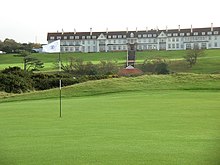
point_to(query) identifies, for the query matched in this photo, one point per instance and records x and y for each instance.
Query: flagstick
(60, 87)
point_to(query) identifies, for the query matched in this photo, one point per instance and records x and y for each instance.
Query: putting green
(151, 127)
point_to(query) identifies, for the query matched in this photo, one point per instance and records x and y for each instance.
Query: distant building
(167, 39)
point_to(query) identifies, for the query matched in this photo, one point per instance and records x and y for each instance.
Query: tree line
(11, 46)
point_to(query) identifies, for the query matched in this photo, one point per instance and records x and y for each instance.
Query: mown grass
(152, 119)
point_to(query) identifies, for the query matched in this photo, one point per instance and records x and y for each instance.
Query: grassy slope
(154, 120)
(142, 83)
(210, 62)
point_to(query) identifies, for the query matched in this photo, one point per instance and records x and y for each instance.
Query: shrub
(155, 66)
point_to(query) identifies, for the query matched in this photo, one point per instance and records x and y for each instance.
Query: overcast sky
(30, 20)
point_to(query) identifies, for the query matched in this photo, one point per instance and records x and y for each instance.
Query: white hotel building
(167, 39)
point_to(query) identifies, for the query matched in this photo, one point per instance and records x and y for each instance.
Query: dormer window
(132, 35)
(195, 33)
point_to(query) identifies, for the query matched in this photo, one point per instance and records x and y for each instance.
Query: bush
(155, 66)
(14, 84)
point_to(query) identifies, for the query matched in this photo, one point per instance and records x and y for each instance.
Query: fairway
(127, 128)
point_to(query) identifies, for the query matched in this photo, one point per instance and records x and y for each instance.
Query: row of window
(124, 41)
(132, 35)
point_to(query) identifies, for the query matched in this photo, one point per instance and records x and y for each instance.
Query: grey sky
(30, 20)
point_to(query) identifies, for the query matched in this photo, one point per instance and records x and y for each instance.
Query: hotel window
(58, 37)
(177, 46)
(52, 38)
(169, 46)
(83, 42)
(210, 37)
(109, 36)
(154, 35)
(83, 37)
(119, 36)
(71, 37)
(65, 37)
(94, 48)
(114, 36)
(215, 32)
(182, 46)
(76, 37)
(139, 35)
(216, 44)
(203, 46)
(188, 46)
(145, 35)
(173, 46)
(124, 36)
(195, 33)
(181, 34)
(188, 34)
(169, 34)
(210, 45)
(209, 33)
(94, 42)
(177, 39)
(93, 37)
(203, 33)
(173, 39)
(175, 34)
(149, 35)
(88, 37)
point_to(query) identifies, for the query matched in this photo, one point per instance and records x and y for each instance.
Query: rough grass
(179, 81)
(155, 120)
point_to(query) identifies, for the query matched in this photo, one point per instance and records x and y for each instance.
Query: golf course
(169, 119)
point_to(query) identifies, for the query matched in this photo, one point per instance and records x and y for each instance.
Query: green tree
(30, 63)
(192, 55)
(10, 46)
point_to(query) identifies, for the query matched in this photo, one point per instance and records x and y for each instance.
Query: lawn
(154, 120)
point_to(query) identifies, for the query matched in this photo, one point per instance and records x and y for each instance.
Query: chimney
(191, 28)
(126, 29)
(62, 31)
(106, 30)
(146, 29)
(136, 29)
(157, 29)
(74, 31)
(166, 29)
(179, 28)
(90, 31)
(212, 27)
